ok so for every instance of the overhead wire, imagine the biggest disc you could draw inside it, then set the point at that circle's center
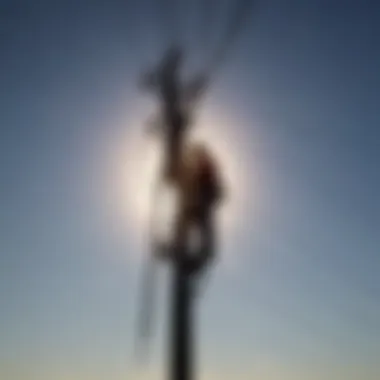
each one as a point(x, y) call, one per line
point(239, 18)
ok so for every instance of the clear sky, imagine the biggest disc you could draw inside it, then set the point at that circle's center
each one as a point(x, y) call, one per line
point(298, 98)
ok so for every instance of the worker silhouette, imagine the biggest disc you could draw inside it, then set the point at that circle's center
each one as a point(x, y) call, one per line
point(188, 166)
point(201, 192)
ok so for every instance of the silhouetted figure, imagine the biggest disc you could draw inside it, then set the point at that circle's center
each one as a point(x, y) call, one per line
point(193, 172)
point(201, 191)
point(193, 175)
point(192, 169)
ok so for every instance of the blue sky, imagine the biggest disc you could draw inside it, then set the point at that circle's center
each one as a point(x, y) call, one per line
point(300, 90)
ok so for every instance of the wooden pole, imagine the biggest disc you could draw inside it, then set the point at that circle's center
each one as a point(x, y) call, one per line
point(181, 349)
point(181, 340)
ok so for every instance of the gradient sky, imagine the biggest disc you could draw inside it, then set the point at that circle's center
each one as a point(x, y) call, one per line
point(301, 90)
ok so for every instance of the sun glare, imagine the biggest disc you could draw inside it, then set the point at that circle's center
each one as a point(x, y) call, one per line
point(135, 165)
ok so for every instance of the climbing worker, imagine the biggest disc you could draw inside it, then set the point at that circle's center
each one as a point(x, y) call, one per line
point(177, 100)
point(200, 192)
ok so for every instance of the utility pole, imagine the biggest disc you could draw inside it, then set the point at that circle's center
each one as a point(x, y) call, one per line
point(181, 348)
point(177, 104)
point(196, 203)
point(181, 327)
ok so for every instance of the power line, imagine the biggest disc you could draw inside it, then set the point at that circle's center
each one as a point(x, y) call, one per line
point(236, 24)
